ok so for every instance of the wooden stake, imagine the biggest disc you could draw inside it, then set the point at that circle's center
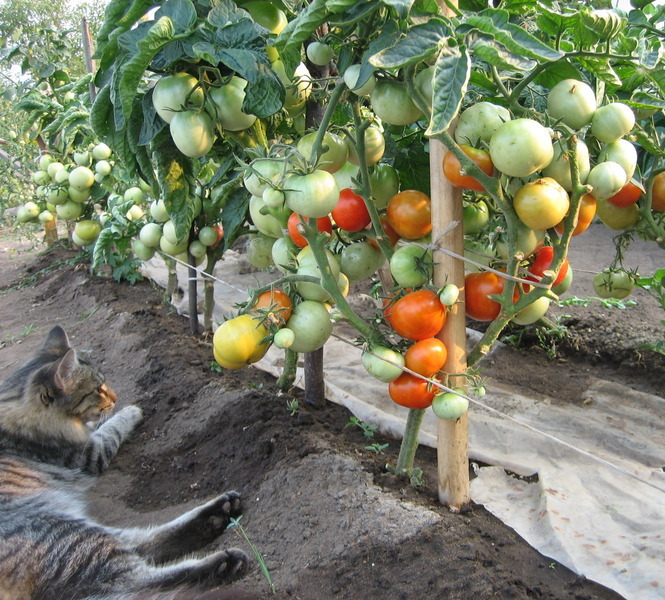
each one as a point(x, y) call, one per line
point(88, 52)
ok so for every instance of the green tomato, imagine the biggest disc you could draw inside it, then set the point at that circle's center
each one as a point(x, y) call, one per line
point(449, 294)
point(83, 159)
point(41, 178)
point(360, 260)
point(572, 101)
point(61, 175)
point(521, 147)
point(44, 161)
point(158, 211)
point(197, 249)
point(226, 105)
point(284, 338)
point(345, 176)
point(559, 168)
point(319, 54)
point(449, 406)
point(612, 121)
point(606, 179)
point(621, 152)
point(532, 313)
point(172, 249)
point(192, 132)
point(334, 158)
point(103, 167)
point(407, 265)
point(142, 251)
point(101, 152)
point(298, 90)
point(528, 241)
point(76, 195)
point(384, 183)
point(150, 234)
point(392, 104)
point(264, 220)
point(564, 286)
point(267, 15)
point(613, 284)
point(313, 195)
point(479, 122)
point(87, 230)
point(46, 216)
point(134, 194)
point(311, 326)
point(174, 92)
point(53, 169)
point(307, 266)
point(375, 146)
point(81, 178)
point(476, 217)
point(262, 171)
point(377, 367)
point(208, 236)
point(135, 213)
point(284, 253)
point(351, 79)
point(57, 195)
point(259, 251)
point(273, 198)
point(69, 210)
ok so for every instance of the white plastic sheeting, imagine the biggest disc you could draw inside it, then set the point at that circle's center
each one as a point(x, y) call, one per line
point(596, 520)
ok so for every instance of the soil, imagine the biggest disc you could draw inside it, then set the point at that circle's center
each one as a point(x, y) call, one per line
point(329, 520)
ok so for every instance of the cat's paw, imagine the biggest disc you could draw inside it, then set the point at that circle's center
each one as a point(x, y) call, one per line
point(132, 414)
point(214, 516)
point(227, 564)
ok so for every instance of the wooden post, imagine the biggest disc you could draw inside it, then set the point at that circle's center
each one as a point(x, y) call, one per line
point(50, 232)
point(88, 52)
point(452, 436)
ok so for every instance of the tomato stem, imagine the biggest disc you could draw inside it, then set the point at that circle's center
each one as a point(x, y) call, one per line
point(407, 451)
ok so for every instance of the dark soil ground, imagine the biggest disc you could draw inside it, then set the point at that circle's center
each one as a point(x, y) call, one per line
point(329, 520)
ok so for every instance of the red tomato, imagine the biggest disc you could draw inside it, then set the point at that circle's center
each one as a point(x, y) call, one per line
point(454, 173)
point(658, 193)
point(477, 289)
point(543, 261)
point(586, 214)
point(411, 391)
point(629, 194)
point(410, 214)
point(418, 315)
point(323, 224)
point(276, 304)
point(426, 357)
point(351, 214)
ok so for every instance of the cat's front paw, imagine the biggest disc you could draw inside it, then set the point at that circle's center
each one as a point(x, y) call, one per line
point(131, 414)
point(227, 564)
point(214, 517)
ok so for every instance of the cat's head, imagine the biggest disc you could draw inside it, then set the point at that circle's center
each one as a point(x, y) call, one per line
point(63, 382)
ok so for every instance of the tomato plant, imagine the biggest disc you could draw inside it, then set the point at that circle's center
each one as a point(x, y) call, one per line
point(587, 211)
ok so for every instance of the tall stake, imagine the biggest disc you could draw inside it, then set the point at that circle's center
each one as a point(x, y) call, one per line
point(88, 52)
point(452, 436)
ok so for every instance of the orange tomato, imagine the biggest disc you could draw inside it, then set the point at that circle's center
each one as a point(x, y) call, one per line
point(410, 214)
point(426, 357)
point(452, 168)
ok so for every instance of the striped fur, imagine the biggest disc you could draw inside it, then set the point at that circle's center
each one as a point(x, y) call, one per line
point(50, 447)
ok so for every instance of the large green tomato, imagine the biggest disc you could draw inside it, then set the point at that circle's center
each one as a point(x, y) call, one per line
point(617, 217)
point(376, 366)
point(621, 152)
point(521, 147)
point(298, 90)
point(101, 151)
point(319, 54)
point(307, 266)
point(532, 313)
point(171, 93)
point(360, 260)
point(142, 251)
point(259, 251)
point(392, 104)
point(267, 15)
point(613, 284)
point(313, 195)
point(345, 176)
point(311, 326)
point(541, 204)
point(572, 101)
point(606, 179)
point(69, 210)
point(449, 406)
point(57, 195)
point(81, 178)
point(158, 211)
point(375, 146)
point(476, 217)
point(334, 158)
point(226, 105)
point(411, 266)
point(192, 132)
point(612, 121)
point(384, 183)
point(284, 253)
point(559, 168)
point(479, 122)
point(150, 234)
point(265, 220)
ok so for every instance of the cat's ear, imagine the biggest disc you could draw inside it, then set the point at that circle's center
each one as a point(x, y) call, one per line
point(56, 341)
point(63, 371)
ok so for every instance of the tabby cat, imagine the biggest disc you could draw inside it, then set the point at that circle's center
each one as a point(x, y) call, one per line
point(49, 450)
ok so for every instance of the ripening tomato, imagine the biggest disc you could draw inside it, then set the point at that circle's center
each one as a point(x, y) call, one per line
point(628, 194)
point(585, 215)
point(351, 213)
point(239, 341)
point(542, 263)
point(323, 224)
point(454, 172)
point(541, 204)
point(426, 357)
point(275, 304)
point(478, 287)
point(411, 391)
point(658, 193)
point(410, 214)
point(418, 315)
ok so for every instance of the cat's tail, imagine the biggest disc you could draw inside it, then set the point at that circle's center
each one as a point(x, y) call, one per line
point(227, 593)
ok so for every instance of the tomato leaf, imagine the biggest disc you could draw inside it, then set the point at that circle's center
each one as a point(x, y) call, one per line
point(451, 77)
point(486, 48)
point(234, 216)
point(401, 6)
point(181, 12)
point(175, 173)
point(419, 43)
point(303, 26)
